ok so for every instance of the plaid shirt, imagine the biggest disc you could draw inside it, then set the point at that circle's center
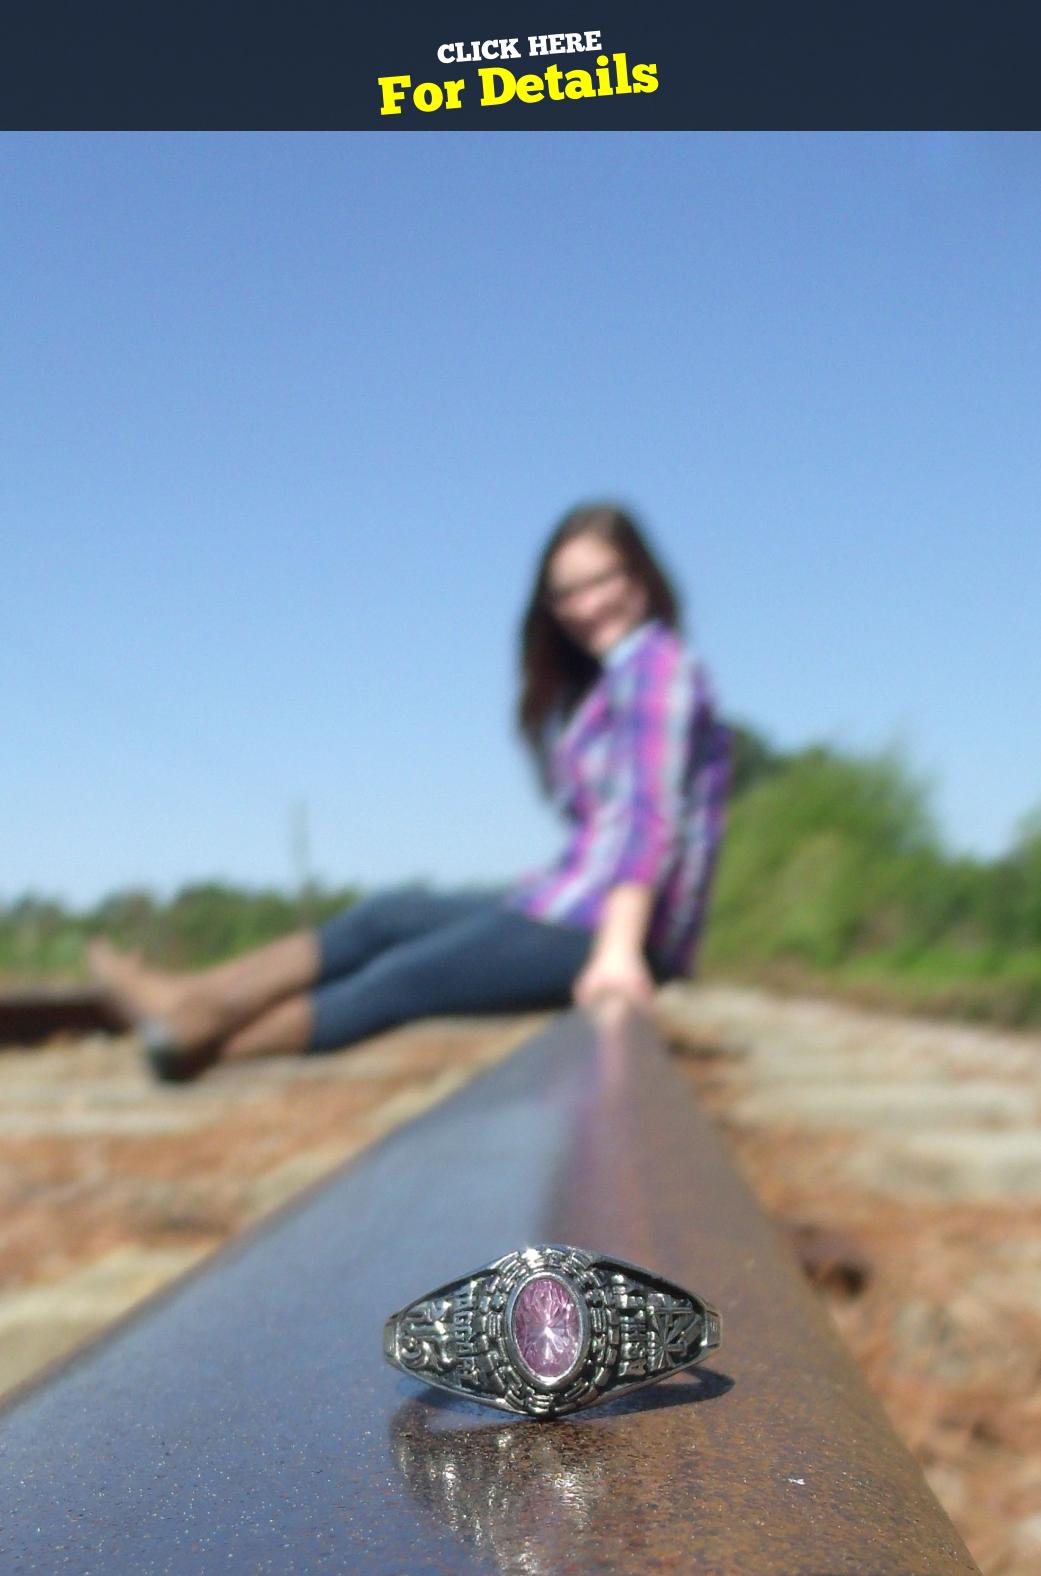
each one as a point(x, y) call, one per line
point(640, 770)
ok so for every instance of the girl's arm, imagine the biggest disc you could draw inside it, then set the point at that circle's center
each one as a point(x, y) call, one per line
point(656, 699)
point(616, 961)
point(627, 913)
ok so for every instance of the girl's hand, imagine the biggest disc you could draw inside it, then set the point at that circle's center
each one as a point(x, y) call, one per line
point(625, 973)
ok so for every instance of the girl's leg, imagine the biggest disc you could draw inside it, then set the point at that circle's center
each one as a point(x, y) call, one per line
point(495, 960)
point(385, 919)
point(285, 1029)
point(378, 926)
point(211, 1004)
point(197, 1008)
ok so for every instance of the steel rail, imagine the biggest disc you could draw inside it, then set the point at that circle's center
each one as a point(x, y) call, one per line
point(245, 1420)
point(33, 1014)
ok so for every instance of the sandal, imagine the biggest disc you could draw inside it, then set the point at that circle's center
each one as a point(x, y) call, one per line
point(170, 1062)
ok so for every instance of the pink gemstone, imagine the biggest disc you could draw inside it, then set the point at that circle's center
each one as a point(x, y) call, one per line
point(546, 1327)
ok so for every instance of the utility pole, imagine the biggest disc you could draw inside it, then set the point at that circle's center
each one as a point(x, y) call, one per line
point(300, 854)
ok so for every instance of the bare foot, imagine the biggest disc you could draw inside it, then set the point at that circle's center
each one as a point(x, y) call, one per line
point(138, 992)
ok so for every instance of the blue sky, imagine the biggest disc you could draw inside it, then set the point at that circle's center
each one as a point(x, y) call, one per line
point(285, 419)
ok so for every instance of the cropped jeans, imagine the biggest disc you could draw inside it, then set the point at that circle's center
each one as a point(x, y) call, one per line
point(408, 953)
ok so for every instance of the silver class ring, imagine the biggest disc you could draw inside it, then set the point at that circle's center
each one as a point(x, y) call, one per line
point(546, 1330)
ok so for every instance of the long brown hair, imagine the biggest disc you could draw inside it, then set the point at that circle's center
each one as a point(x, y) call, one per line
point(555, 671)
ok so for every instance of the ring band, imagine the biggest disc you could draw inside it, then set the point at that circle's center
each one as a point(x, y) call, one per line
point(546, 1330)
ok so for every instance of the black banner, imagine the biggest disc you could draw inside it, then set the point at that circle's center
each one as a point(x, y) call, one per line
point(560, 66)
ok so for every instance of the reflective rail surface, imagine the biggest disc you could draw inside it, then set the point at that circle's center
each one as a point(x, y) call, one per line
point(245, 1420)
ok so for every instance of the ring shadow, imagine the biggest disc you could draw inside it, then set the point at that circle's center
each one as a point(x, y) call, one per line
point(706, 1382)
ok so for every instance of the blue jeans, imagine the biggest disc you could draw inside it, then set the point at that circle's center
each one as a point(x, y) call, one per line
point(409, 953)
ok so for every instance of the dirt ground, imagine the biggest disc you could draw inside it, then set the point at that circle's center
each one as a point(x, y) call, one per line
point(903, 1158)
point(111, 1185)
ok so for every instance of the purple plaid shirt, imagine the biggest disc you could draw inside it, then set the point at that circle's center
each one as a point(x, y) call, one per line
point(640, 770)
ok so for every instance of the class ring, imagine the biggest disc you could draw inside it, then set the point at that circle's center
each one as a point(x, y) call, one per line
point(546, 1330)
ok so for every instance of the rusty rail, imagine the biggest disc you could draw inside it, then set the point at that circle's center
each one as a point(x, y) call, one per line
point(245, 1419)
point(29, 1016)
